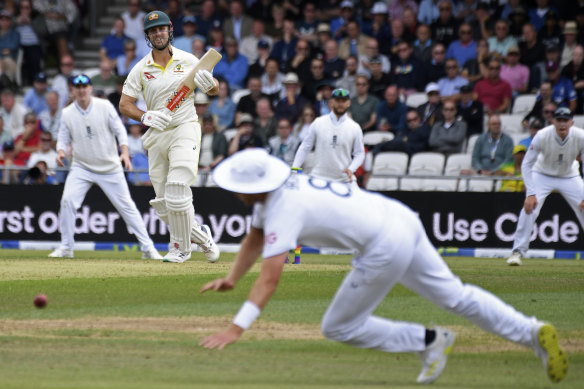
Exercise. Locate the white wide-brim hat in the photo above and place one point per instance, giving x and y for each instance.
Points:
(251, 171)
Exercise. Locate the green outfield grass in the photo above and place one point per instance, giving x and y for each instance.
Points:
(115, 321)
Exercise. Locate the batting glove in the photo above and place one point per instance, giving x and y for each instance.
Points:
(156, 119)
(204, 80)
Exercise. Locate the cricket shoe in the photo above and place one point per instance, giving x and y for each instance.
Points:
(515, 259)
(61, 253)
(176, 256)
(554, 358)
(210, 248)
(151, 253)
(435, 355)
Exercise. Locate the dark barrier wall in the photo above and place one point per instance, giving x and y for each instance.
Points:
(451, 219)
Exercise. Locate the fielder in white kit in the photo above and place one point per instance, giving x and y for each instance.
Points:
(337, 141)
(549, 165)
(393, 247)
(91, 126)
(173, 142)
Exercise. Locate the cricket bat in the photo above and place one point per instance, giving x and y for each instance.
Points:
(187, 86)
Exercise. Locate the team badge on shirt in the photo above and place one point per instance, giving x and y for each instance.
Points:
(179, 69)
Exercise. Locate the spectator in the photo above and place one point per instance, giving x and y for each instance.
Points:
(431, 111)
(397, 8)
(391, 112)
(46, 154)
(5, 136)
(538, 13)
(206, 19)
(423, 43)
(213, 145)
(185, 41)
(51, 117)
(448, 136)
(216, 38)
(434, 69)
(517, 19)
(339, 25)
(398, 34)
(126, 62)
(544, 105)
(516, 74)
(483, 24)
(291, 105)
(500, 43)
(29, 141)
(349, 77)
(465, 48)
(105, 81)
(324, 90)
(333, 65)
(550, 34)
(323, 35)
(9, 176)
(272, 80)
(261, 10)
(476, 68)
(60, 16)
(9, 45)
(530, 48)
(175, 12)
(379, 29)
(233, 66)
(307, 26)
(134, 21)
(406, 70)
(259, 66)
(450, 85)
(284, 144)
(563, 93)
(471, 111)
(354, 43)
(247, 104)
(310, 80)
(428, 11)
(493, 92)
(31, 28)
(201, 102)
(300, 63)
(237, 25)
(491, 150)
(300, 130)
(223, 107)
(412, 139)
(410, 22)
(570, 42)
(116, 95)
(533, 126)
(513, 169)
(244, 137)
(574, 71)
(372, 51)
(198, 48)
(12, 112)
(135, 138)
(276, 26)
(34, 99)
(265, 123)
(112, 45)
(445, 28)
(379, 81)
(61, 81)
(249, 44)
(283, 49)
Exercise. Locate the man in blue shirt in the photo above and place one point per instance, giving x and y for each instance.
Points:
(563, 93)
(35, 97)
(391, 113)
(233, 66)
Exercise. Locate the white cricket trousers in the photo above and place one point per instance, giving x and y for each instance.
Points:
(571, 189)
(412, 261)
(115, 188)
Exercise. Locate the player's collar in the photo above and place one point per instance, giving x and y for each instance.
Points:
(339, 120)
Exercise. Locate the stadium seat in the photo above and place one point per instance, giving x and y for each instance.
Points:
(372, 138)
(456, 162)
(511, 123)
(439, 184)
(382, 183)
(518, 137)
(475, 185)
(229, 133)
(523, 104)
(416, 99)
(411, 184)
(579, 121)
(390, 162)
(426, 163)
(238, 94)
(471, 142)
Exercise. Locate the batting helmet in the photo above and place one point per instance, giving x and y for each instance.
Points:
(155, 19)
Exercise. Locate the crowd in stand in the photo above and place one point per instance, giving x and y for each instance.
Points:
(471, 58)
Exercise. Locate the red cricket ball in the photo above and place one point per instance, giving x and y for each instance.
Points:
(40, 301)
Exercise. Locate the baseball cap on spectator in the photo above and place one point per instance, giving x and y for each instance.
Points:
(513, 49)
(535, 123)
(244, 118)
(519, 149)
(201, 98)
(208, 117)
(349, 4)
(189, 19)
(552, 48)
(323, 27)
(432, 87)
(376, 60)
(8, 145)
(262, 44)
(466, 88)
(5, 14)
(290, 78)
(379, 8)
(562, 113)
(41, 77)
(570, 28)
(551, 66)
(324, 83)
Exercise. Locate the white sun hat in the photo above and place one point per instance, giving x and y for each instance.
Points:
(251, 171)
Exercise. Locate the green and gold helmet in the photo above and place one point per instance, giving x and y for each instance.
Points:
(155, 19)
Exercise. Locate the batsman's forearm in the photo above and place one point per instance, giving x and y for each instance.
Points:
(129, 109)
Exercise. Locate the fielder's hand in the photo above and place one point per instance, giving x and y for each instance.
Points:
(223, 338)
(204, 80)
(156, 119)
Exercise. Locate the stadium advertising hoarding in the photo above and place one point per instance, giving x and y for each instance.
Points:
(451, 219)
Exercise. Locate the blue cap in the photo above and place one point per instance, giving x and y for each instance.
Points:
(262, 44)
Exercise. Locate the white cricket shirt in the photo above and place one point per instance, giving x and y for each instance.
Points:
(93, 133)
(158, 84)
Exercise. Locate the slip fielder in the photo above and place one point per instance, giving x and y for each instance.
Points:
(91, 126)
(173, 142)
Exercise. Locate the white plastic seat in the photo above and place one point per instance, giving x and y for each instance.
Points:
(91, 72)
(411, 184)
(511, 123)
(518, 137)
(523, 104)
(390, 162)
(229, 133)
(427, 163)
(456, 162)
(579, 121)
(372, 138)
(439, 184)
(475, 185)
(382, 183)
(471, 142)
(416, 99)
(238, 94)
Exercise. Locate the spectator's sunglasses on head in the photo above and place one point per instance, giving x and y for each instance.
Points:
(81, 80)
(340, 93)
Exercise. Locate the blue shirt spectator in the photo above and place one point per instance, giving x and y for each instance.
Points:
(465, 47)
(34, 99)
(233, 66)
(223, 107)
(112, 46)
(391, 113)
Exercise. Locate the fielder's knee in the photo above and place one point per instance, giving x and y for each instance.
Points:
(333, 330)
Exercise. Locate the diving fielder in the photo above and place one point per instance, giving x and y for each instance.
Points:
(337, 141)
(173, 143)
(392, 248)
(91, 126)
(549, 165)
